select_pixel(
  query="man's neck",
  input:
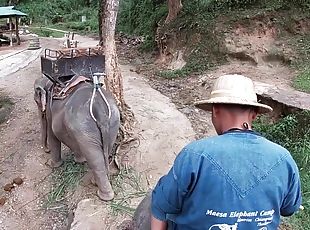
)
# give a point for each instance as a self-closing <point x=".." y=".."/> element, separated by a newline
<point x="242" y="125"/>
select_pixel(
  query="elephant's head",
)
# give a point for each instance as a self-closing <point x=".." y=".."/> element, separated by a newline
<point x="40" y="98"/>
<point x="40" y="94"/>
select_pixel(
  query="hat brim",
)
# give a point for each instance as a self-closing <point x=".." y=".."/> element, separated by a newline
<point x="208" y="104"/>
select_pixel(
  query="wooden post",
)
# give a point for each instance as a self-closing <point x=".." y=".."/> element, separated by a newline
<point x="11" y="31"/>
<point x="17" y="31"/>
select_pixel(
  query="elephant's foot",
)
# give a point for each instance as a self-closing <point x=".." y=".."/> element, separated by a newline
<point x="106" y="196"/>
<point x="46" y="149"/>
<point x="51" y="163"/>
<point x="79" y="159"/>
<point x="57" y="164"/>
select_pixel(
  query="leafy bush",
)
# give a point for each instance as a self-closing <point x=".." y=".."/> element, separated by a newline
<point x="302" y="81"/>
<point x="54" y="11"/>
<point x="141" y="17"/>
<point x="293" y="133"/>
<point x="42" y="32"/>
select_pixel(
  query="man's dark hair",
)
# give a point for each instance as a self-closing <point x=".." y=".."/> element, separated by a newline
<point x="236" y="107"/>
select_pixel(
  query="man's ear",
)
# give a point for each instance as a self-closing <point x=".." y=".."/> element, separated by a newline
<point x="254" y="114"/>
<point x="215" y="110"/>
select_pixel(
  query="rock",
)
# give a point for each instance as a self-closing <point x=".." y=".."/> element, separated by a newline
<point x="18" y="181"/>
<point x="2" y="201"/>
<point x="90" y="214"/>
<point x="283" y="101"/>
<point x="126" y="225"/>
<point x="8" y="187"/>
<point x="186" y="110"/>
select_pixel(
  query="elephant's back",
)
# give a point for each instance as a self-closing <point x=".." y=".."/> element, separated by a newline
<point x="76" y="116"/>
<point x="79" y="101"/>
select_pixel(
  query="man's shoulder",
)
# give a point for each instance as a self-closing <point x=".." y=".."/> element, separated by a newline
<point x="276" y="149"/>
<point x="202" y="145"/>
<point x="214" y="143"/>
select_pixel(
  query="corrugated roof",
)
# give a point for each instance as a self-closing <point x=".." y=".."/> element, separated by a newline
<point x="7" y="11"/>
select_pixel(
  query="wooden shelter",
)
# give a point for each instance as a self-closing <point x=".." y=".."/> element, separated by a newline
<point x="9" y="12"/>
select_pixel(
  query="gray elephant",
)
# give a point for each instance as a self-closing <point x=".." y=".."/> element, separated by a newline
<point x="69" y="121"/>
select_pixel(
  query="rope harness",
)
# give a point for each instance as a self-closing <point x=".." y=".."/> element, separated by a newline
<point x="72" y="83"/>
<point x="96" y="88"/>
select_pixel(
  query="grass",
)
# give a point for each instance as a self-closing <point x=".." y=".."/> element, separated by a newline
<point x="65" y="179"/>
<point x="127" y="185"/>
<point x="293" y="132"/>
<point x="302" y="81"/>
<point x="6" y="106"/>
<point x="44" y="32"/>
<point x="301" y="44"/>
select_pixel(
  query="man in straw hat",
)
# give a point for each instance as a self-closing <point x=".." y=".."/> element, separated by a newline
<point x="236" y="180"/>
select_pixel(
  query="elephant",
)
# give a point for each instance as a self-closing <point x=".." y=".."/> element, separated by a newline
<point x="69" y="121"/>
<point x="142" y="216"/>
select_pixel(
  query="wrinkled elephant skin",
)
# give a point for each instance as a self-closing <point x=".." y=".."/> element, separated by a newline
<point x="69" y="121"/>
<point x="142" y="215"/>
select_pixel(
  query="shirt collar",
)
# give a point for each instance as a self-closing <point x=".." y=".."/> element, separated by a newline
<point x="236" y="130"/>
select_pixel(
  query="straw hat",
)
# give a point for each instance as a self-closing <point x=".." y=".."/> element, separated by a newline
<point x="233" y="89"/>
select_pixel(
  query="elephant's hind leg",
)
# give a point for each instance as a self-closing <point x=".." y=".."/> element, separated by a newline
<point x="55" y="148"/>
<point x="79" y="158"/>
<point x="95" y="161"/>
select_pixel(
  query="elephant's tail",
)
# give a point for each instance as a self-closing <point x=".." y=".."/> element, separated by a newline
<point x="108" y="121"/>
<point x="104" y="132"/>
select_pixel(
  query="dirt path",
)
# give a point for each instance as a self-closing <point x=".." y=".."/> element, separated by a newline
<point x="163" y="131"/>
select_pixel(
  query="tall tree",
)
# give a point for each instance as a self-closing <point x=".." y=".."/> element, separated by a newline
<point x="174" y="6"/>
<point x="101" y="21"/>
<point x="113" y="71"/>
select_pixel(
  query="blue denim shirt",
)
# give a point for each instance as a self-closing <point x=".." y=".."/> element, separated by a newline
<point x="238" y="180"/>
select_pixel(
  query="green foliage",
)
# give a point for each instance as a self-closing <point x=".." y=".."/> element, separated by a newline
<point x="141" y="17"/>
<point x="6" y="106"/>
<point x="216" y="5"/>
<point x="302" y="81"/>
<point x="43" y="32"/>
<point x="293" y="133"/>
<point x="302" y="45"/>
<point x="66" y="12"/>
<point x="169" y="74"/>
<point x="127" y="185"/>
<point x="66" y="179"/>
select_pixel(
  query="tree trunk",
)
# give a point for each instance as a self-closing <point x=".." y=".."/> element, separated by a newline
<point x="16" y="31"/>
<point x="174" y="6"/>
<point x="101" y="21"/>
<point x="113" y="71"/>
